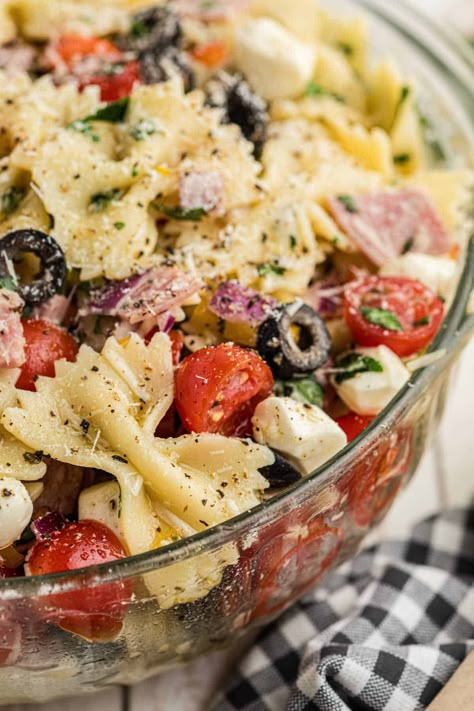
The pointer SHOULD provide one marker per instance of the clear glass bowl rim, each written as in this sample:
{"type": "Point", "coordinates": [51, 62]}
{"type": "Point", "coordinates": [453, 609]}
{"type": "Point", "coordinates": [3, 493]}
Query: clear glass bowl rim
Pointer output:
{"type": "Point", "coordinates": [456, 328]}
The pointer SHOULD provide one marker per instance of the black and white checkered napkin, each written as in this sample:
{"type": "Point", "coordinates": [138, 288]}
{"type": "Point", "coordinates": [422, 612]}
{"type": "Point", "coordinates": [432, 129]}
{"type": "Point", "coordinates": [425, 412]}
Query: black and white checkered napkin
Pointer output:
{"type": "Point", "coordinates": [385, 632]}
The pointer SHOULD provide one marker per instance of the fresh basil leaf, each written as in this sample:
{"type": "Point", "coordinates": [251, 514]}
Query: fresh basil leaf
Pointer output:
{"type": "Point", "coordinates": [7, 282]}
{"type": "Point", "coordinates": [422, 321]}
{"type": "Point", "coordinates": [354, 363]}
{"type": "Point", "coordinates": [268, 268]}
{"type": "Point", "coordinates": [100, 201]}
{"type": "Point", "coordinates": [306, 390]}
{"type": "Point", "coordinates": [195, 214]}
{"type": "Point", "coordinates": [113, 112]}
{"type": "Point", "coordinates": [348, 203]}
{"type": "Point", "coordinates": [381, 317]}
{"type": "Point", "coordinates": [11, 198]}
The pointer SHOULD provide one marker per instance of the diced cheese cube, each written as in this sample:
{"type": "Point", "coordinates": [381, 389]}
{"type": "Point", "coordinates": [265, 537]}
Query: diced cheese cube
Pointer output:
{"type": "Point", "coordinates": [436, 272]}
{"type": "Point", "coordinates": [101, 502]}
{"type": "Point", "coordinates": [16, 509]}
{"type": "Point", "coordinates": [275, 62]}
{"type": "Point", "coordinates": [368, 393]}
{"type": "Point", "coordinates": [302, 432]}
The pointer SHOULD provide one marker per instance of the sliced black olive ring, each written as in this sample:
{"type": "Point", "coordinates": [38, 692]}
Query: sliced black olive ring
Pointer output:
{"type": "Point", "coordinates": [286, 357]}
{"type": "Point", "coordinates": [52, 263]}
{"type": "Point", "coordinates": [281, 473]}
{"type": "Point", "coordinates": [157, 28]}
{"type": "Point", "coordinates": [240, 105]}
{"type": "Point", "coordinates": [156, 67]}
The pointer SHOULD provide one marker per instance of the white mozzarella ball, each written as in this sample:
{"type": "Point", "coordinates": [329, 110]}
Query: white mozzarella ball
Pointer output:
{"type": "Point", "coordinates": [435, 272]}
{"type": "Point", "coordinates": [16, 510]}
{"type": "Point", "coordinates": [302, 432]}
{"type": "Point", "coordinates": [275, 62]}
{"type": "Point", "coordinates": [368, 393]}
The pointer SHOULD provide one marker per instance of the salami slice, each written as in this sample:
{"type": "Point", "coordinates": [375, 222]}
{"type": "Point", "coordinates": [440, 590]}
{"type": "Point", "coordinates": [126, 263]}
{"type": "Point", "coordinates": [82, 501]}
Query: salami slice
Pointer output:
{"type": "Point", "coordinates": [386, 224]}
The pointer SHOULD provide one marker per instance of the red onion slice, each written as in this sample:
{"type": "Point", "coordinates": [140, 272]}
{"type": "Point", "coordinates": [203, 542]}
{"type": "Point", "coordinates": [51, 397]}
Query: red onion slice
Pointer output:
{"type": "Point", "coordinates": [239, 304]}
{"type": "Point", "coordinates": [46, 525]}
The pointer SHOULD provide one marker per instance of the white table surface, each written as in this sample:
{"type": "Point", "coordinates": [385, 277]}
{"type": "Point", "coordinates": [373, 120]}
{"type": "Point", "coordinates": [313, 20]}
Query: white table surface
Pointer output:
{"type": "Point", "coordinates": [444, 479]}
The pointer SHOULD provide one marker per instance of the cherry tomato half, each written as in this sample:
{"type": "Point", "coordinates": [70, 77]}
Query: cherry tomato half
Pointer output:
{"type": "Point", "coordinates": [211, 55]}
{"type": "Point", "coordinates": [286, 567]}
{"type": "Point", "coordinates": [418, 309]}
{"type": "Point", "coordinates": [73, 48]}
{"type": "Point", "coordinates": [45, 344]}
{"type": "Point", "coordinates": [353, 424]}
{"type": "Point", "coordinates": [219, 387]}
{"type": "Point", "coordinates": [95, 613]}
{"type": "Point", "coordinates": [117, 85]}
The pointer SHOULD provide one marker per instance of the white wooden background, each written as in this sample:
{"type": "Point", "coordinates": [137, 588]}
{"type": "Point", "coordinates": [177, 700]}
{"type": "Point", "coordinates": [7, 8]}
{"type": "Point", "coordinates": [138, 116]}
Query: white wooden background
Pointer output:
{"type": "Point", "coordinates": [445, 478]}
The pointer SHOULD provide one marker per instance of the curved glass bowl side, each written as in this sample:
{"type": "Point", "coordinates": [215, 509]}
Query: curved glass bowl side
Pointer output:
{"type": "Point", "coordinates": [200, 594]}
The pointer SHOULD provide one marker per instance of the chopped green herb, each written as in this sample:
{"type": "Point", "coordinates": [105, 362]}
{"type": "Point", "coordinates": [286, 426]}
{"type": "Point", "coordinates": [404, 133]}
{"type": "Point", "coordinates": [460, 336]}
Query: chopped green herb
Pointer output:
{"type": "Point", "coordinates": [422, 321]}
{"type": "Point", "coordinates": [27, 311]}
{"type": "Point", "coordinates": [354, 363]}
{"type": "Point", "coordinates": [306, 390]}
{"type": "Point", "coordinates": [345, 48]}
{"type": "Point", "coordinates": [11, 198]}
{"type": "Point", "coordinates": [408, 246]}
{"type": "Point", "coordinates": [139, 29]}
{"type": "Point", "coordinates": [405, 92]}
{"type": "Point", "coordinates": [348, 203]}
{"type": "Point", "coordinates": [7, 282]}
{"type": "Point", "coordinates": [134, 171]}
{"type": "Point", "coordinates": [268, 268]}
{"type": "Point", "coordinates": [119, 225]}
{"type": "Point", "coordinates": [402, 158]}
{"type": "Point", "coordinates": [195, 214]}
{"type": "Point", "coordinates": [81, 126]}
{"type": "Point", "coordinates": [431, 140]}
{"type": "Point", "coordinates": [142, 130]}
{"type": "Point", "coordinates": [293, 241]}
{"type": "Point", "coordinates": [112, 113]}
{"type": "Point", "coordinates": [100, 201]}
{"type": "Point", "coordinates": [381, 317]}
{"type": "Point", "coordinates": [314, 90]}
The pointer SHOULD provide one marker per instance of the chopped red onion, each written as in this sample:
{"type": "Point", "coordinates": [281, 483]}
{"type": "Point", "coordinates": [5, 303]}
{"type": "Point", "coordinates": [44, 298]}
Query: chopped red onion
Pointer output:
{"type": "Point", "coordinates": [165, 322]}
{"type": "Point", "coordinates": [155, 292]}
{"type": "Point", "coordinates": [46, 525]}
{"type": "Point", "coordinates": [239, 304]}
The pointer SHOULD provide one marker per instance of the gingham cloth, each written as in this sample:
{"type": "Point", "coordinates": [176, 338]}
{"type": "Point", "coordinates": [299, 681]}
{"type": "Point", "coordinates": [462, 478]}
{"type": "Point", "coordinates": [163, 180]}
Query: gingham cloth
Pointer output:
{"type": "Point", "coordinates": [385, 632]}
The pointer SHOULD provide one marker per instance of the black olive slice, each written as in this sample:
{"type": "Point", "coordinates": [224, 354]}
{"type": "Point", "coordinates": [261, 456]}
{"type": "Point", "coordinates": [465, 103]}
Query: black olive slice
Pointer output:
{"type": "Point", "coordinates": [53, 263]}
{"type": "Point", "coordinates": [157, 28]}
{"type": "Point", "coordinates": [240, 105]}
{"type": "Point", "coordinates": [276, 344]}
{"type": "Point", "coordinates": [156, 67]}
{"type": "Point", "coordinates": [281, 473]}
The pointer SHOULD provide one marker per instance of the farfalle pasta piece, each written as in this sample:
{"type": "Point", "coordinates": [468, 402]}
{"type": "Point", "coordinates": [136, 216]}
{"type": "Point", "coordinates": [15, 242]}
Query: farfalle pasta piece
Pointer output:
{"type": "Point", "coordinates": [148, 372]}
{"type": "Point", "coordinates": [371, 148]}
{"type": "Point", "coordinates": [16, 460]}
{"type": "Point", "coordinates": [91, 391]}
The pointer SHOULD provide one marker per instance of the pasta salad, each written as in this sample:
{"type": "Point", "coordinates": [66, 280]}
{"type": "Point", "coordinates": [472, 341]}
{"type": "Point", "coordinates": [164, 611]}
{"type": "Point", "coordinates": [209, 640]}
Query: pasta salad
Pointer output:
{"type": "Point", "coordinates": [224, 239]}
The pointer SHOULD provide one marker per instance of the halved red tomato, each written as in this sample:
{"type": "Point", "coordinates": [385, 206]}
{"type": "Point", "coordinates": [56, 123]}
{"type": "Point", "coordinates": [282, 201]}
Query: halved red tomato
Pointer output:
{"type": "Point", "coordinates": [219, 387]}
{"type": "Point", "coordinates": [95, 613]}
{"type": "Point", "coordinates": [71, 48]}
{"type": "Point", "coordinates": [396, 312]}
{"type": "Point", "coordinates": [45, 343]}
{"type": "Point", "coordinates": [353, 424]}
{"type": "Point", "coordinates": [114, 85]}
{"type": "Point", "coordinates": [292, 561]}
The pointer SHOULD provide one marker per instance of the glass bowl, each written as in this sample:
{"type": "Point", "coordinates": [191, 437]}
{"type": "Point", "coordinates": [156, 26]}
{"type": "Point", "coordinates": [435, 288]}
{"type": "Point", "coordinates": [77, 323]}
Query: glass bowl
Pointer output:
{"type": "Point", "coordinates": [200, 594]}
